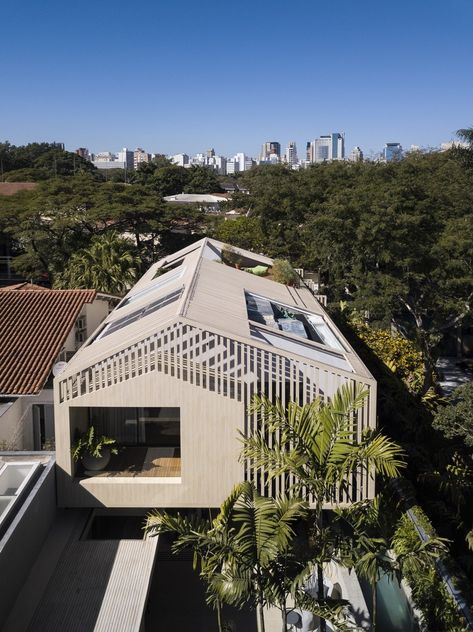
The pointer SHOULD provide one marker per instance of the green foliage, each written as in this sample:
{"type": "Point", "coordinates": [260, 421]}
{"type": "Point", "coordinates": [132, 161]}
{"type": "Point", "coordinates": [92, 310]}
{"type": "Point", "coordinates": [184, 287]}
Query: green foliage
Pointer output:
{"type": "Point", "coordinates": [61, 216]}
{"type": "Point", "coordinates": [283, 272]}
{"type": "Point", "coordinates": [455, 420]}
{"type": "Point", "coordinates": [231, 257]}
{"type": "Point", "coordinates": [428, 590]}
{"type": "Point", "coordinates": [245, 552]}
{"type": "Point", "coordinates": [393, 239]}
{"type": "Point", "coordinates": [244, 232]}
{"type": "Point", "coordinates": [108, 265]}
{"type": "Point", "coordinates": [318, 445]}
{"type": "Point", "coordinates": [398, 353]}
{"type": "Point", "coordinates": [201, 180]}
{"type": "Point", "coordinates": [162, 176]}
{"type": "Point", "coordinates": [39, 161]}
{"type": "Point", "coordinates": [325, 449]}
{"type": "Point", "coordinates": [90, 443]}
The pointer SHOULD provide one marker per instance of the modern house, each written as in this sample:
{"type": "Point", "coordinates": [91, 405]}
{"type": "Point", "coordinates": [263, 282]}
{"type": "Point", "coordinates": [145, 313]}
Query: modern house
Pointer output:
{"type": "Point", "coordinates": [40, 330]}
{"type": "Point", "coordinates": [170, 373]}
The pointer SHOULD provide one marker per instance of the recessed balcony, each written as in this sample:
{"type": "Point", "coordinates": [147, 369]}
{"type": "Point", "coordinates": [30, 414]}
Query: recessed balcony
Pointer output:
{"type": "Point", "coordinates": [142, 461]}
{"type": "Point", "coordinates": [148, 440]}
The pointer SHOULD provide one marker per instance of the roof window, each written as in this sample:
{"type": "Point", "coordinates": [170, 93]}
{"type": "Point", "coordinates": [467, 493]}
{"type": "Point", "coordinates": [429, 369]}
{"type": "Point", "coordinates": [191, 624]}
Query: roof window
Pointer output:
{"type": "Point", "coordinates": [164, 280]}
{"type": "Point", "coordinates": [146, 310]}
{"type": "Point", "coordinates": [291, 320]}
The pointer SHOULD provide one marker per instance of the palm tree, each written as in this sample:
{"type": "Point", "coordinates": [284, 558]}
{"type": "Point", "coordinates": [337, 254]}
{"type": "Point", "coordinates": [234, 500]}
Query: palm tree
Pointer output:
{"type": "Point", "coordinates": [318, 443]}
{"type": "Point", "coordinates": [108, 265]}
{"type": "Point", "coordinates": [413, 554]}
{"type": "Point", "coordinates": [371, 523]}
{"type": "Point", "coordinates": [245, 553]}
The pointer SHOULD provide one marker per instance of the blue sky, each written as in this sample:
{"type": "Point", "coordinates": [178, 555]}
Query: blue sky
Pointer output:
{"type": "Point", "coordinates": [180, 76]}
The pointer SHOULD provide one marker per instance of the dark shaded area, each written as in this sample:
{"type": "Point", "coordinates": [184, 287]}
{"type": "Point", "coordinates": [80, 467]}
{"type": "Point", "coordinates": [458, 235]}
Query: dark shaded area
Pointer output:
{"type": "Point", "coordinates": [116, 528]}
{"type": "Point", "coordinates": [177, 597]}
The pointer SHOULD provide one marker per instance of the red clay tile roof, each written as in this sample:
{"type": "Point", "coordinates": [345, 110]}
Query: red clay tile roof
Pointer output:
{"type": "Point", "coordinates": [10, 188]}
{"type": "Point", "coordinates": [33, 328]}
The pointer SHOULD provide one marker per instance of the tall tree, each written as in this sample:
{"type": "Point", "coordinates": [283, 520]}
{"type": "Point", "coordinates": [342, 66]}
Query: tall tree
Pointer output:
{"type": "Point", "coordinates": [318, 444]}
{"type": "Point", "coordinates": [245, 552]}
{"type": "Point", "coordinates": [108, 265]}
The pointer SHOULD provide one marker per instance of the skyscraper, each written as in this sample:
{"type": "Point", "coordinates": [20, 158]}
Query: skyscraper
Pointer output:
{"type": "Point", "coordinates": [329, 147]}
{"type": "Point", "coordinates": [392, 152]}
{"type": "Point", "coordinates": [139, 156]}
{"type": "Point", "coordinates": [356, 155]}
{"type": "Point", "coordinates": [83, 152]}
{"type": "Point", "coordinates": [271, 148]}
{"type": "Point", "coordinates": [291, 153]}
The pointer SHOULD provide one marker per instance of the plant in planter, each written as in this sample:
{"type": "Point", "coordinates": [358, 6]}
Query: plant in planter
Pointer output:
{"type": "Point", "coordinates": [94, 451]}
{"type": "Point", "coordinates": [231, 257]}
{"type": "Point", "coordinates": [283, 272]}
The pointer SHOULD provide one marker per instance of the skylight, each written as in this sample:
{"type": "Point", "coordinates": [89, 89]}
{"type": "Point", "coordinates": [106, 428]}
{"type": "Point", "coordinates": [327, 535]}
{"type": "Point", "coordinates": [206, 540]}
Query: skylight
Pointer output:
{"type": "Point", "coordinates": [290, 320]}
{"type": "Point", "coordinates": [146, 310]}
{"type": "Point", "coordinates": [164, 280]}
{"type": "Point", "coordinates": [281, 341]}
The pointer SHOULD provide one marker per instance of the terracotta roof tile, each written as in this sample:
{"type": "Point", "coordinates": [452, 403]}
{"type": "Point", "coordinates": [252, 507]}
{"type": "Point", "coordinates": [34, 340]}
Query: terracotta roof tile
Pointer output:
{"type": "Point", "coordinates": [33, 328]}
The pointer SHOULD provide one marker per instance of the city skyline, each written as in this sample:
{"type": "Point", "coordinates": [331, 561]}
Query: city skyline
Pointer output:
{"type": "Point", "coordinates": [164, 77]}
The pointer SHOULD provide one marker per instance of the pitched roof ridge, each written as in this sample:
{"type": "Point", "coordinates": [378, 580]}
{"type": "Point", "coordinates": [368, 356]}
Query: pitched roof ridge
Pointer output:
{"type": "Point", "coordinates": [190, 287]}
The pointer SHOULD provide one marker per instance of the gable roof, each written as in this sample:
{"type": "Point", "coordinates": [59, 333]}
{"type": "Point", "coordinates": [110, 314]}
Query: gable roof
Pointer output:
{"type": "Point", "coordinates": [33, 328]}
{"type": "Point", "coordinates": [193, 287]}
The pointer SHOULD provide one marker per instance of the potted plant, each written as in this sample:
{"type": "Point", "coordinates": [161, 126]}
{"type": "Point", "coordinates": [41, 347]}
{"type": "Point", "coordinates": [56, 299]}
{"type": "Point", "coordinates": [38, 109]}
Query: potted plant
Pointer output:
{"type": "Point", "coordinates": [94, 451]}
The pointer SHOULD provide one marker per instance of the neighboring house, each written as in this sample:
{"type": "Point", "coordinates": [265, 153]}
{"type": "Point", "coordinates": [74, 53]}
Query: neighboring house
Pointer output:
{"type": "Point", "coordinates": [209, 202]}
{"type": "Point", "coordinates": [39, 328]}
{"type": "Point", "coordinates": [170, 374]}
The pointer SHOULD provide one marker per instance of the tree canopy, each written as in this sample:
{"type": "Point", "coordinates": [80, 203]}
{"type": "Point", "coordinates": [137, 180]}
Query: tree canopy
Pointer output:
{"type": "Point", "coordinates": [394, 240]}
{"type": "Point", "coordinates": [455, 420]}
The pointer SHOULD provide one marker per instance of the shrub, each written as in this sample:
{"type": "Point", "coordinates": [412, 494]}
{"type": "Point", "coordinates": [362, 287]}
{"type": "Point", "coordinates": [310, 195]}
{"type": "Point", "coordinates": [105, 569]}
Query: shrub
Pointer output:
{"type": "Point", "coordinates": [231, 257]}
{"type": "Point", "coordinates": [429, 592]}
{"type": "Point", "coordinates": [283, 272]}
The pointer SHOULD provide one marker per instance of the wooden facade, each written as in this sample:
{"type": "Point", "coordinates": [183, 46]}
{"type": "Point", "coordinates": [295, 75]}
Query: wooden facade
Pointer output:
{"type": "Point", "coordinates": [199, 355]}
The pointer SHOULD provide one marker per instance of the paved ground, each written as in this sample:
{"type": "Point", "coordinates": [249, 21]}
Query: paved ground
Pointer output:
{"type": "Point", "coordinates": [451, 374]}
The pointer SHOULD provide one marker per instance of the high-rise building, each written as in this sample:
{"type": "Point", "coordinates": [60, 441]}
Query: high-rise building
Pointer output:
{"type": "Point", "coordinates": [269, 149]}
{"type": "Point", "coordinates": [329, 147]}
{"type": "Point", "coordinates": [291, 153]}
{"type": "Point", "coordinates": [392, 152]}
{"type": "Point", "coordinates": [139, 156]}
{"type": "Point", "coordinates": [233, 166]}
{"type": "Point", "coordinates": [180, 159]}
{"type": "Point", "coordinates": [126, 157]}
{"type": "Point", "coordinates": [122, 160]}
{"type": "Point", "coordinates": [244, 161]}
{"type": "Point", "coordinates": [308, 151]}
{"type": "Point", "coordinates": [83, 152]}
{"type": "Point", "coordinates": [356, 155]}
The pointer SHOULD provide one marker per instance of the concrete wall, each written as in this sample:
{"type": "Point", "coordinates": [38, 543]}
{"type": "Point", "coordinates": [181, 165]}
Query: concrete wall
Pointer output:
{"type": "Point", "coordinates": [24, 539]}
